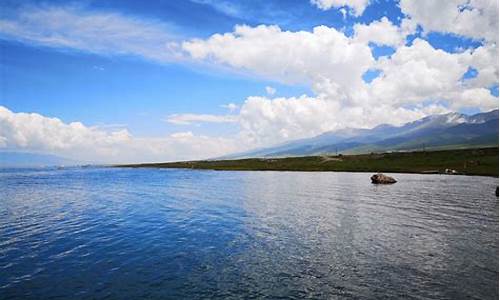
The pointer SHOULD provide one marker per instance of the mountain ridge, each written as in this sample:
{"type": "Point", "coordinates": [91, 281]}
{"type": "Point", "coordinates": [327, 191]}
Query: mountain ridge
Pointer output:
{"type": "Point", "coordinates": [450, 130]}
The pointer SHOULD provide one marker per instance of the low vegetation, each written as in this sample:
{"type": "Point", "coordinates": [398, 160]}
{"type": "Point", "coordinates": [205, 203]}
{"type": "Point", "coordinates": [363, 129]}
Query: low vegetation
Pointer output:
{"type": "Point", "coordinates": [482, 161]}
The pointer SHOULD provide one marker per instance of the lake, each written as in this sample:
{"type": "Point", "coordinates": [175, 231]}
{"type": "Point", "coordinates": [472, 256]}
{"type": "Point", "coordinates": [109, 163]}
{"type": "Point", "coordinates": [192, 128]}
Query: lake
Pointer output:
{"type": "Point", "coordinates": [112, 233]}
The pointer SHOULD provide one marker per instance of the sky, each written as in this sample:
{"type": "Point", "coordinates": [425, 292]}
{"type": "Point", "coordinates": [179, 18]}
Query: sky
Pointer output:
{"type": "Point", "coordinates": [146, 81]}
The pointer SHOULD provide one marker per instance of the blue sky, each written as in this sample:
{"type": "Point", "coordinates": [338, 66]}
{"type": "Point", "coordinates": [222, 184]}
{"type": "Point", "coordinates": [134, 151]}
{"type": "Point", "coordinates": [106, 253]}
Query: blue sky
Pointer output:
{"type": "Point", "coordinates": [127, 84]}
{"type": "Point", "coordinates": [95, 89]}
{"type": "Point", "coordinates": [98, 84]}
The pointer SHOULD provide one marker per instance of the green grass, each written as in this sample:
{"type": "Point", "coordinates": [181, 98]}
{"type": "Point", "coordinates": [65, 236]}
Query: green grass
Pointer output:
{"type": "Point", "coordinates": [483, 161]}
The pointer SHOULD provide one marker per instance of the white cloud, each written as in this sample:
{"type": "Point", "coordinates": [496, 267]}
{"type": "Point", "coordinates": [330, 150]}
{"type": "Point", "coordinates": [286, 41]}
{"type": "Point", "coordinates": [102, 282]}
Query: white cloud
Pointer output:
{"type": "Point", "coordinates": [325, 59]}
{"type": "Point", "coordinates": [230, 106]}
{"type": "Point", "coordinates": [485, 60]}
{"type": "Point", "coordinates": [270, 90]}
{"type": "Point", "coordinates": [290, 57]}
{"type": "Point", "coordinates": [267, 121]}
{"type": "Point", "coordinates": [419, 72]}
{"type": "Point", "coordinates": [186, 119]}
{"type": "Point", "coordinates": [381, 32]}
{"type": "Point", "coordinates": [472, 18]}
{"type": "Point", "coordinates": [332, 64]}
{"type": "Point", "coordinates": [343, 11]}
{"type": "Point", "coordinates": [97, 32]}
{"type": "Point", "coordinates": [37, 133]}
{"type": "Point", "coordinates": [475, 97]}
{"type": "Point", "coordinates": [356, 6]}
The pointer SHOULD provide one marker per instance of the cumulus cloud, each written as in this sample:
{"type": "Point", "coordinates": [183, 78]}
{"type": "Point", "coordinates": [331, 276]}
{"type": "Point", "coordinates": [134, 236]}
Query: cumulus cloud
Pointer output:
{"type": "Point", "coordinates": [186, 119]}
{"type": "Point", "coordinates": [472, 18]}
{"type": "Point", "coordinates": [289, 57]}
{"type": "Point", "coordinates": [485, 61]}
{"type": "Point", "coordinates": [37, 133]}
{"type": "Point", "coordinates": [419, 72]}
{"type": "Point", "coordinates": [357, 7]}
{"type": "Point", "coordinates": [266, 121]}
{"type": "Point", "coordinates": [381, 32]}
{"type": "Point", "coordinates": [415, 81]}
{"type": "Point", "coordinates": [96, 32]}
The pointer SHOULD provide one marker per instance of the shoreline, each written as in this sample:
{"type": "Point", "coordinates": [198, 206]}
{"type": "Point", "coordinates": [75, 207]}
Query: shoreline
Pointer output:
{"type": "Point", "coordinates": [307, 171]}
{"type": "Point", "coordinates": [469, 162]}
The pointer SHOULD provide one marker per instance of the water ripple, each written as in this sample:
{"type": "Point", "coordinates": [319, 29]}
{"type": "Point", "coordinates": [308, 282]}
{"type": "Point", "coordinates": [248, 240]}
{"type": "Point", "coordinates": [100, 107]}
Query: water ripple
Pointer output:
{"type": "Point", "coordinates": [184, 234]}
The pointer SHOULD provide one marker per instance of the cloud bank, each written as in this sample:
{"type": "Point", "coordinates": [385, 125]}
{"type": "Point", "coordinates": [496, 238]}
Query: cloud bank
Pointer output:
{"type": "Point", "coordinates": [416, 80]}
{"type": "Point", "coordinates": [34, 132]}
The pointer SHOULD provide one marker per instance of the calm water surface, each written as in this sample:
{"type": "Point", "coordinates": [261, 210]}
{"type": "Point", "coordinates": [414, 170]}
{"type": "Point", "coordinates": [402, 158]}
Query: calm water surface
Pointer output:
{"type": "Point", "coordinates": [182, 234]}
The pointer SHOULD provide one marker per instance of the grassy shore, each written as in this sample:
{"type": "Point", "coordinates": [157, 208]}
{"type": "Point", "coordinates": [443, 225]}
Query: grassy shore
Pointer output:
{"type": "Point", "coordinates": [483, 161]}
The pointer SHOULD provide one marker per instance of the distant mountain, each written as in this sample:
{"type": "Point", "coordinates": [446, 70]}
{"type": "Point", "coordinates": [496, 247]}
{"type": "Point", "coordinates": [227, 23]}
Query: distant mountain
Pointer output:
{"type": "Point", "coordinates": [24, 159]}
{"type": "Point", "coordinates": [452, 130]}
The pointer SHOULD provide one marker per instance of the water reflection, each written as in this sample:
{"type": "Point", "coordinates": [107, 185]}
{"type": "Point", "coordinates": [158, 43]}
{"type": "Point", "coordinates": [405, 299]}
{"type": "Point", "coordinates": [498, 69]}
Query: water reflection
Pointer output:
{"type": "Point", "coordinates": [135, 233]}
{"type": "Point", "coordinates": [359, 239]}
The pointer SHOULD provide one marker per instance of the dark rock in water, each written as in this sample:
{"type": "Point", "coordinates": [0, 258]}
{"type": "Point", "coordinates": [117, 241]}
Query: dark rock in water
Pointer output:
{"type": "Point", "coordinates": [382, 179]}
{"type": "Point", "coordinates": [496, 192]}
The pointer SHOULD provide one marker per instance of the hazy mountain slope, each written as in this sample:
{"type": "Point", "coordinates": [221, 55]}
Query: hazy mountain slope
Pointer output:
{"type": "Point", "coordinates": [432, 131]}
{"type": "Point", "coordinates": [24, 159]}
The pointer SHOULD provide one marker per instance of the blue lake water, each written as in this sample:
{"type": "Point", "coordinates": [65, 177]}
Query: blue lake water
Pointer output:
{"type": "Point", "coordinates": [109, 233]}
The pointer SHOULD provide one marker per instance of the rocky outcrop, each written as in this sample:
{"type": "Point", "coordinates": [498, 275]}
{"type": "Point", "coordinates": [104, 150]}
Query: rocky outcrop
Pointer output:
{"type": "Point", "coordinates": [380, 178]}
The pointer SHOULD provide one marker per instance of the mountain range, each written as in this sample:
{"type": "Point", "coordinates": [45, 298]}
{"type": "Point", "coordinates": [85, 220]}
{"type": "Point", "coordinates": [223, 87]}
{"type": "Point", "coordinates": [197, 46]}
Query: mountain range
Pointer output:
{"type": "Point", "coordinates": [445, 131]}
